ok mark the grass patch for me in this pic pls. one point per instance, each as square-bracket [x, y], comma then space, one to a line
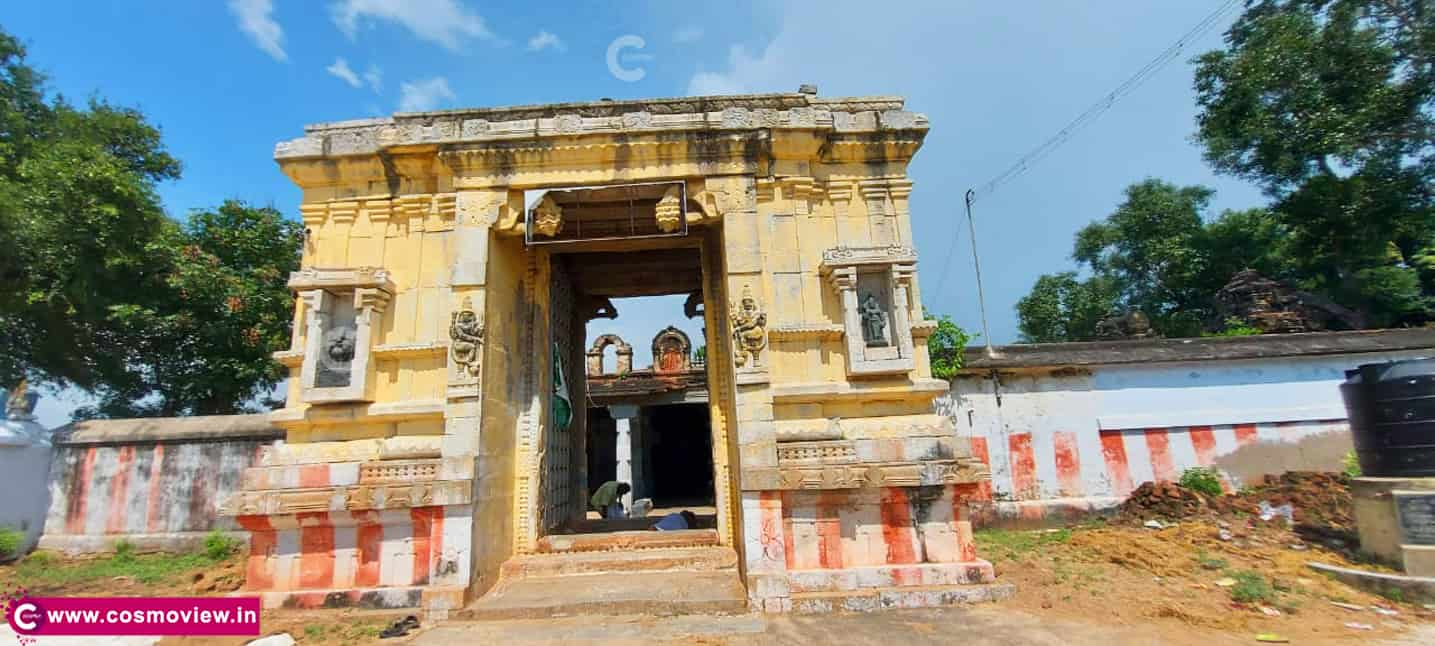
[1209, 562]
[219, 546]
[1251, 587]
[1014, 545]
[43, 569]
[10, 540]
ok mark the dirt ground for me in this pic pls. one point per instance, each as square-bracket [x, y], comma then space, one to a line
[1175, 580]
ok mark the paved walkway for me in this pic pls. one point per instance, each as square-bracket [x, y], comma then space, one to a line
[968, 626]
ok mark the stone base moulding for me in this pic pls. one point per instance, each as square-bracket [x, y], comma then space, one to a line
[366, 559]
[878, 542]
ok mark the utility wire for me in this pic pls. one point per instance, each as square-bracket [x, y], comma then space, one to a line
[1082, 120]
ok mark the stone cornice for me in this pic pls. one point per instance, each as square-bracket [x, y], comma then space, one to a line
[849, 122]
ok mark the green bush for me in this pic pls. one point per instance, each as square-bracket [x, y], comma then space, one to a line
[124, 551]
[219, 546]
[1351, 465]
[10, 541]
[1205, 480]
[1251, 587]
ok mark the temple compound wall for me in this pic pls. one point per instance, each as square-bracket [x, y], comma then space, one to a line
[423, 445]
[153, 482]
[1072, 428]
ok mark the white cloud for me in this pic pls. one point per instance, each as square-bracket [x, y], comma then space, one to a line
[746, 73]
[426, 94]
[256, 18]
[544, 40]
[446, 22]
[688, 35]
[374, 77]
[341, 69]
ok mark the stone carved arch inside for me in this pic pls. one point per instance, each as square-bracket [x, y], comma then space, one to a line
[595, 355]
[672, 351]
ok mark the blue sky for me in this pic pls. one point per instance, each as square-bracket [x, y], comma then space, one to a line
[227, 80]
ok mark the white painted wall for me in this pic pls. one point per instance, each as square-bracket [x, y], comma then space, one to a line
[1141, 407]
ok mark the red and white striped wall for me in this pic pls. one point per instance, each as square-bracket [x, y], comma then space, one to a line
[851, 539]
[1075, 440]
[154, 494]
[304, 559]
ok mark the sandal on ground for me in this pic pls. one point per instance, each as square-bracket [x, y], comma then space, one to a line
[400, 628]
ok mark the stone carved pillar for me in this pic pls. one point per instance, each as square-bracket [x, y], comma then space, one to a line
[623, 416]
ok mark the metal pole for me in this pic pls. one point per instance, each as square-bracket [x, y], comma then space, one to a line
[977, 264]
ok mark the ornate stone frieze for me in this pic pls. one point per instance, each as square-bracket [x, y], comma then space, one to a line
[816, 453]
[358, 497]
[319, 278]
[845, 256]
[749, 329]
[860, 475]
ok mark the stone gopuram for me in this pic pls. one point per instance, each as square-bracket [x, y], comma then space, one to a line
[451, 264]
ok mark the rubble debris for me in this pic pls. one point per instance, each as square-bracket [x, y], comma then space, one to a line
[1168, 500]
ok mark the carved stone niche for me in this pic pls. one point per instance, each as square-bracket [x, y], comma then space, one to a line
[672, 351]
[874, 285]
[342, 308]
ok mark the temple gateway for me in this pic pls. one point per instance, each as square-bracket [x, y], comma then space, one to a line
[448, 415]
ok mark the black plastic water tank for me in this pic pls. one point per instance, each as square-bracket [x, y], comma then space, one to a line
[1392, 417]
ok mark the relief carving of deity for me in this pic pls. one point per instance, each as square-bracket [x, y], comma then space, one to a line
[465, 337]
[874, 322]
[749, 329]
[336, 357]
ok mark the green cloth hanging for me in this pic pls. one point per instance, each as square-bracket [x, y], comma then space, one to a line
[562, 405]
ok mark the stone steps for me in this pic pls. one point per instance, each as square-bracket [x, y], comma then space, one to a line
[626, 540]
[870, 599]
[615, 593]
[703, 559]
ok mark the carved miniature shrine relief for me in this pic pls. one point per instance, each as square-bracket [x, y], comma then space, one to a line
[873, 284]
[341, 308]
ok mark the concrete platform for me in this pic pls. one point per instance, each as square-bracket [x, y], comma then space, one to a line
[870, 599]
[700, 559]
[625, 593]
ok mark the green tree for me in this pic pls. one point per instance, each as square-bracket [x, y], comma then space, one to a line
[1329, 105]
[100, 290]
[1060, 307]
[1157, 253]
[946, 348]
[203, 341]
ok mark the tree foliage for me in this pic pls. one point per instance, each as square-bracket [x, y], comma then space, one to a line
[1158, 252]
[1329, 106]
[946, 348]
[99, 289]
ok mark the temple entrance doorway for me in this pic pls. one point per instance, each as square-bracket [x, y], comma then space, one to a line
[648, 419]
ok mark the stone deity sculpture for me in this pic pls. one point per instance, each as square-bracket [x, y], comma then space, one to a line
[874, 322]
[465, 335]
[336, 357]
[749, 330]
